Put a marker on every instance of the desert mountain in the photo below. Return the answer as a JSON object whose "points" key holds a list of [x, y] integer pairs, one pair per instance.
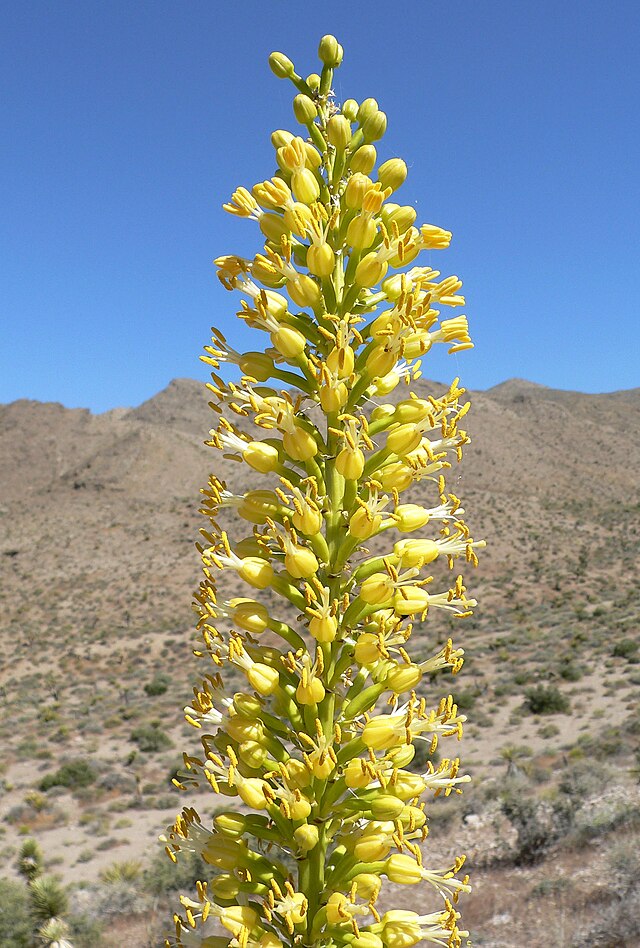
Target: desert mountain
{"points": [[98, 518]]}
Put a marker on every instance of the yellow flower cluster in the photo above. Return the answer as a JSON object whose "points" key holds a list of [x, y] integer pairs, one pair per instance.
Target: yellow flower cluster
{"points": [[327, 801]]}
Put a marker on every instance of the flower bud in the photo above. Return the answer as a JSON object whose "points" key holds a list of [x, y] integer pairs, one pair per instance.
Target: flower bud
{"points": [[334, 903], [313, 158], [250, 752], [361, 232], [368, 885], [386, 384], [412, 817], [256, 572], [305, 187], [306, 837], [330, 51], [341, 361], [304, 109], [249, 546], [383, 412], [396, 475], [367, 650], [409, 600], [298, 219], [281, 66], [363, 526], [301, 563], [380, 361], [404, 439], [363, 159], [310, 693], [236, 917], [339, 131], [323, 629], [402, 756], [247, 705], [377, 589], [261, 457], [249, 615], [357, 186], [333, 397], [386, 807], [374, 127], [367, 108], [252, 792], [230, 824], [304, 291], [374, 842], [299, 776], [370, 270], [350, 109], [384, 732], [403, 217], [241, 728], [225, 887], [392, 173], [309, 521], [403, 869], [350, 463], [273, 227], [356, 776], [224, 853], [313, 81], [257, 505], [321, 259], [416, 551], [322, 769], [403, 678], [265, 680], [257, 365], [412, 410], [289, 341], [281, 137], [407, 786], [299, 444]]}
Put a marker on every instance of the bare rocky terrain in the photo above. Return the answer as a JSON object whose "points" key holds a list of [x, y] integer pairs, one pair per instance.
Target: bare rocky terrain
{"points": [[98, 517]]}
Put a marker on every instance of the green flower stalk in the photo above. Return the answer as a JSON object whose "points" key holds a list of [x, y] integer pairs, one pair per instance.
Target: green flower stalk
{"points": [[314, 751]]}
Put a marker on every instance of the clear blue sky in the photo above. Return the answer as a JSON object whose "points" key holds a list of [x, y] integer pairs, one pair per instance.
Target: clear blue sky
{"points": [[127, 124]]}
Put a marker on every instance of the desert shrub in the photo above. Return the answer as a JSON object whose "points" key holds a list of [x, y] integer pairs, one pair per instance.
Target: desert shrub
{"points": [[15, 922], [128, 871], [618, 924], [626, 648], [158, 684], [73, 774], [465, 699], [548, 887], [570, 671], [150, 738], [546, 700], [538, 826], [548, 730], [163, 876]]}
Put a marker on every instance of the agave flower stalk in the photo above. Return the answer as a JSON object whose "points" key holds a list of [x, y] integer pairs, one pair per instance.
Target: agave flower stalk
{"points": [[314, 751]]}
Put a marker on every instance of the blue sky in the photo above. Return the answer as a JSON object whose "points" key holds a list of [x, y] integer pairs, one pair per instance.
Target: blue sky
{"points": [[126, 126]]}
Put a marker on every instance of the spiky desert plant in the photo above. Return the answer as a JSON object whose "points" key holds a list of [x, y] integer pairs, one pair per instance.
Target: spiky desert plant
{"points": [[324, 804]]}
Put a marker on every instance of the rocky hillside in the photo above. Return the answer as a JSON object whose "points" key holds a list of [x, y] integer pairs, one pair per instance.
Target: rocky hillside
{"points": [[98, 517]]}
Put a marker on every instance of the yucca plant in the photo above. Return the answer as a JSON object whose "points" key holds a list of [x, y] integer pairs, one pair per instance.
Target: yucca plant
{"points": [[313, 751]]}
